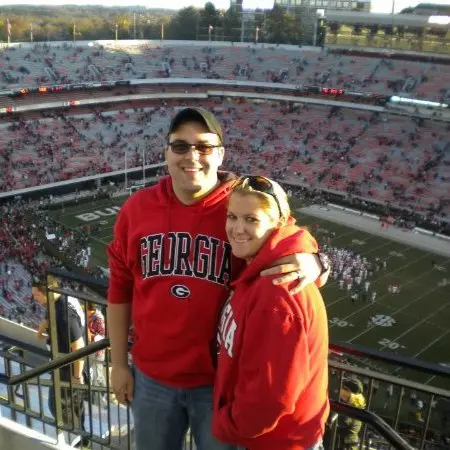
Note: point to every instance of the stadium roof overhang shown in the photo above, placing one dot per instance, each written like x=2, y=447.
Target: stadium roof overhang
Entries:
x=406, y=20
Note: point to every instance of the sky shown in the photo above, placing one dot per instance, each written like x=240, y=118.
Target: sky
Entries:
x=378, y=6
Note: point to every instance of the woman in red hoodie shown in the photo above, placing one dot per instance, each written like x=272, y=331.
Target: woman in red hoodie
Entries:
x=271, y=388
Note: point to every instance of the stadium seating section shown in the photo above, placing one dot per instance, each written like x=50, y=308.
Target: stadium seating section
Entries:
x=383, y=157
x=21, y=67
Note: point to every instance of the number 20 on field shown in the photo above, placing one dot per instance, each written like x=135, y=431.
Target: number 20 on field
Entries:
x=390, y=344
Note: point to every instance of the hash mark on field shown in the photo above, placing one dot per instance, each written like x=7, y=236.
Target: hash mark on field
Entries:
x=407, y=305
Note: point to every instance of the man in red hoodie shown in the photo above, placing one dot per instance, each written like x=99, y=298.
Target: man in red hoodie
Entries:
x=171, y=265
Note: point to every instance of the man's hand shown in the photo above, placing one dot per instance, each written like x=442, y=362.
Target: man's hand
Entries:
x=304, y=267
x=77, y=380
x=122, y=383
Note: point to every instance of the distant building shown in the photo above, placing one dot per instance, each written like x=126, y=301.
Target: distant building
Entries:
x=342, y=5
x=429, y=9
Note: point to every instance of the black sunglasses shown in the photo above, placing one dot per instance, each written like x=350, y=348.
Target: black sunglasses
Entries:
x=261, y=184
x=182, y=147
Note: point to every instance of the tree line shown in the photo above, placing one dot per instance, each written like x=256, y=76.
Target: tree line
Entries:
x=47, y=23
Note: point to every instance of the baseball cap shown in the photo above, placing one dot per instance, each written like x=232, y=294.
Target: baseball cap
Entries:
x=353, y=385
x=197, y=115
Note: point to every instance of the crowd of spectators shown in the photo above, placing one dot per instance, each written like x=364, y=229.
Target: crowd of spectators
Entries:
x=25, y=226
x=361, y=156
x=71, y=64
x=366, y=156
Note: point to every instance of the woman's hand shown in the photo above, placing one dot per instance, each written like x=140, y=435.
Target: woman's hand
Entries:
x=122, y=383
x=304, y=267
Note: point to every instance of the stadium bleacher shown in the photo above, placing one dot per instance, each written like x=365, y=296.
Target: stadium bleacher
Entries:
x=21, y=67
x=359, y=152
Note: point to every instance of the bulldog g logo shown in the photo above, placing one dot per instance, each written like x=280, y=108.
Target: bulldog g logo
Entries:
x=180, y=291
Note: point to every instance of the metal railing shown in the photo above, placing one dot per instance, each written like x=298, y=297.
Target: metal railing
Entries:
x=391, y=416
x=372, y=420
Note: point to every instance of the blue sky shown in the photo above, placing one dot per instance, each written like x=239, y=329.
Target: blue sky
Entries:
x=377, y=5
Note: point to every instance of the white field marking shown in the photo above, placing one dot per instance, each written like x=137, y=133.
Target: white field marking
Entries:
x=412, y=316
x=400, y=310
x=333, y=282
x=98, y=240
x=387, y=294
x=425, y=319
x=430, y=379
x=73, y=209
x=376, y=279
x=431, y=343
x=398, y=369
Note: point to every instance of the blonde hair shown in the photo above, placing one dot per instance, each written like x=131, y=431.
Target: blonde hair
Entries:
x=269, y=204
x=357, y=400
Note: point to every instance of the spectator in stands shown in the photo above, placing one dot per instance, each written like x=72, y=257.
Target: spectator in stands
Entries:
x=271, y=388
x=96, y=332
x=352, y=393
x=69, y=337
x=177, y=286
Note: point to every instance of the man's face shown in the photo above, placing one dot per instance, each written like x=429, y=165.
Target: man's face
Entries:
x=193, y=174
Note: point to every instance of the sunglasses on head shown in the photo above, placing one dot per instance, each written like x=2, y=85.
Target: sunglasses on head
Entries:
x=182, y=147
x=261, y=184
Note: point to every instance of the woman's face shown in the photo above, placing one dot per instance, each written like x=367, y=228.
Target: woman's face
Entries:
x=248, y=225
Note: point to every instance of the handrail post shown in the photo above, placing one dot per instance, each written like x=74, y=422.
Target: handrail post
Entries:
x=369, y=402
x=399, y=407
x=53, y=334
x=427, y=422
x=10, y=389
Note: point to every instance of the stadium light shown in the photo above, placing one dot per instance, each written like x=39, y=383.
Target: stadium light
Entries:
x=416, y=102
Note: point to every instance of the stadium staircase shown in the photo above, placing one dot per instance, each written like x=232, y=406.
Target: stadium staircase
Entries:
x=392, y=418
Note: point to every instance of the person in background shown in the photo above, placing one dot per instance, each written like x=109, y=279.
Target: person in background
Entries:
x=69, y=337
x=352, y=393
x=96, y=332
x=271, y=387
x=170, y=269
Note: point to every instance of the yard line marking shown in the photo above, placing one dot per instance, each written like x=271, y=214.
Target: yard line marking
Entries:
x=431, y=343
x=400, y=310
x=372, y=280
x=385, y=295
x=416, y=324
x=381, y=276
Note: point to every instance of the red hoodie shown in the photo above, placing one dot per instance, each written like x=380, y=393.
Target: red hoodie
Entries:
x=271, y=388
x=174, y=264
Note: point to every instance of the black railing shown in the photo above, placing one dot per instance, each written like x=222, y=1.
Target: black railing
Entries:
x=387, y=419
x=369, y=418
x=374, y=421
x=59, y=362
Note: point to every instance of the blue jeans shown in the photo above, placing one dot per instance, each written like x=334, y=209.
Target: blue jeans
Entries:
x=162, y=415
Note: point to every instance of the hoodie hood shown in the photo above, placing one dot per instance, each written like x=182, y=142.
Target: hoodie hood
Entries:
x=284, y=241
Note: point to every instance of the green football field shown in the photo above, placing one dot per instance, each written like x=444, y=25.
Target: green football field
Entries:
x=414, y=323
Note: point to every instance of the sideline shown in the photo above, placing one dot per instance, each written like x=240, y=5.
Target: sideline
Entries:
x=414, y=239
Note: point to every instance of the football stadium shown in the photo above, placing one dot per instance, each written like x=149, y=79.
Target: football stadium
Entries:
x=346, y=110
